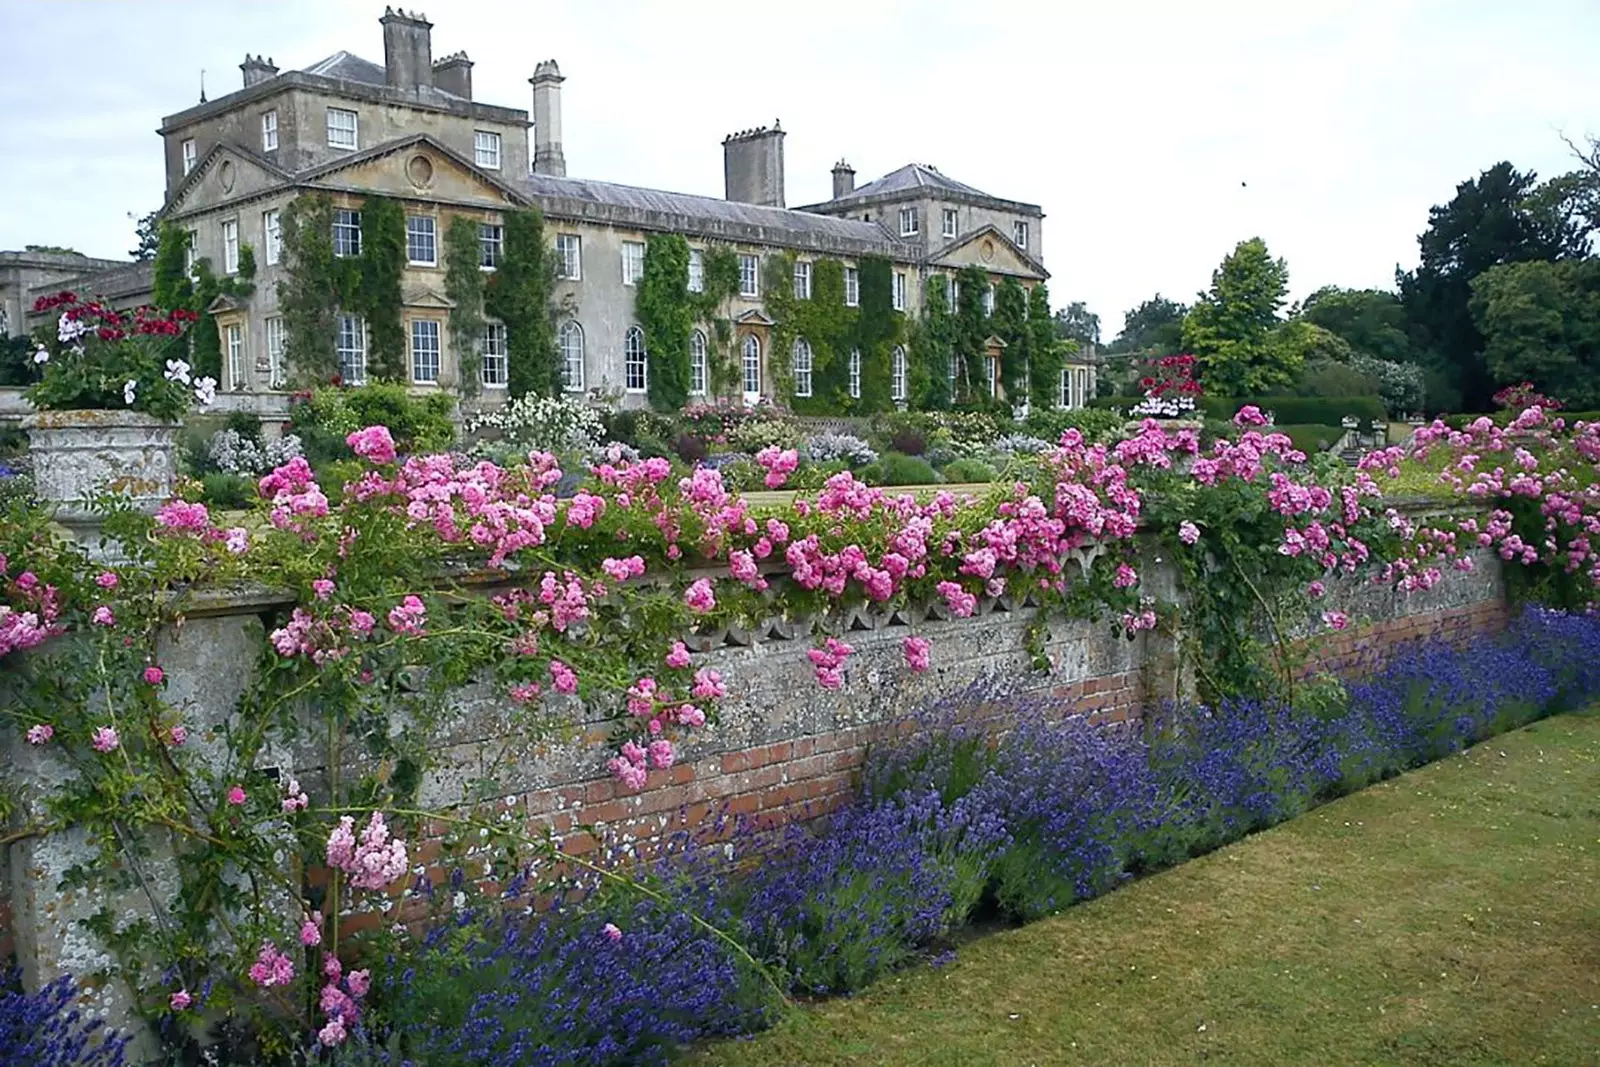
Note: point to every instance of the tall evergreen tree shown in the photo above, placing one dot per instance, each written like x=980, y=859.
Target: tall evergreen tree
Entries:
x=1229, y=329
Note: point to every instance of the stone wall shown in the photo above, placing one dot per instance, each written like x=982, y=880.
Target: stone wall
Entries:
x=784, y=748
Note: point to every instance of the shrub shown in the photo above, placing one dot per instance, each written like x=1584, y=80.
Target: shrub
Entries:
x=840, y=447
x=324, y=417
x=230, y=492
x=1095, y=424
x=232, y=452
x=689, y=448
x=47, y=1029
x=556, y=424
x=909, y=441
x=1018, y=444
x=969, y=470
x=896, y=469
x=771, y=431
x=1311, y=437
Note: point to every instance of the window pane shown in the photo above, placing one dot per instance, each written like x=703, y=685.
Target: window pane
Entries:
x=697, y=271
x=635, y=366
x=346, y=232
x=341, y=128
x=749, y=276
x=802, y=368
x=571, y=356
x=419, y=240
x=491, y=244
x=752, y=365
x=486, y=149
x=697, y=364
x=424, y=350
x=492, y=364
x=352, y=350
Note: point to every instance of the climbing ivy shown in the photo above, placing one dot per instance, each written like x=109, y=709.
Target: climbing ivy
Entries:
x=1010, y=324
x=971, y=330
x=195, y=289
x=313, y=286
x=519, y=296
x=827, y=325
x=382, y=259
x=932, y=341
x=667, y=315
x=463, y=284
x=878, y=327
x=1044, y=350
x=712, y=307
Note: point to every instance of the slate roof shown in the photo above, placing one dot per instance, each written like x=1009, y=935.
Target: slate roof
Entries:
x=688, y=208
x=346, y=66
x=915, y=176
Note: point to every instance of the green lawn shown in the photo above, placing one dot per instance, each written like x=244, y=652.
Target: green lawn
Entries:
x=1450, y=917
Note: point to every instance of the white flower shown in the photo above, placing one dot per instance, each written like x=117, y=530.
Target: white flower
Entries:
x=177, y=371
x=129, y=388
x=69, y=330
x=205, y=391
x=42, y=355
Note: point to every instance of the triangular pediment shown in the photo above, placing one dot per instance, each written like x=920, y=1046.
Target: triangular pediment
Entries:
x=225, y=302
x=990, y=250
x=425, y=296
x=225, y=174
x=415, y=167
x=755, y=317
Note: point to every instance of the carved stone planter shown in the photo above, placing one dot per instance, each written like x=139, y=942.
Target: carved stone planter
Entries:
x=80, y=455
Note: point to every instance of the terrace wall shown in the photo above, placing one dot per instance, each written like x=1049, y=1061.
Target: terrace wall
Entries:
x=784, y=748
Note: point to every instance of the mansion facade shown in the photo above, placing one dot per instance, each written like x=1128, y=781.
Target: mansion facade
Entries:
x=410, y=130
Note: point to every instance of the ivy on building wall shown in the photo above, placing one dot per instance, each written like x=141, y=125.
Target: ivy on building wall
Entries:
x=314, y=285
x=1044, y=350
x=826, y=325
x=519, y=296
x=463, y=284
x=878, y=327
x=665, y=312
x=176, y=285
x=971, y=330
x=711, y=306
x=1010, y=324
x=382, y=259
x=932, y=342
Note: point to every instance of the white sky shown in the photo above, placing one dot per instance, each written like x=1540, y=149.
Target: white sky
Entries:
x=1132, y=123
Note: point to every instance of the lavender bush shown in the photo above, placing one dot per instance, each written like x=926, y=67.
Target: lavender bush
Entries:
x=46, y=1029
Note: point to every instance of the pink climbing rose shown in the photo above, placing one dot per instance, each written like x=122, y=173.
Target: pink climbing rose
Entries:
x=373, y=444
x=154, y=675
x=916, y=650
x=1188, y=532
x=180, y=1000
x=236, y=795
x=699, y=596
x=41, y=733
x=105, y=739
x=271, y=968
x=611, y=932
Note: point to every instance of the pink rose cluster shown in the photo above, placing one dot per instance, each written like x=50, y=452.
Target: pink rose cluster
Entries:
x=779, y=463
x=373, y=860
x=373, y=444
x=828, y=662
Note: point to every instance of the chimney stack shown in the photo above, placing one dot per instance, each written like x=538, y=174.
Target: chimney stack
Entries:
x=752, y=166
x=257, y=70
x=453, y=74
x=547, y=156
x=407, y=50
x=844, y=179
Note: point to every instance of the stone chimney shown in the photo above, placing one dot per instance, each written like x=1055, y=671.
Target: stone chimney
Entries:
x=257, y=70
x=844, y=179
x=407, y=50
x=752, y=166
x=453, y=74
x=547, y=156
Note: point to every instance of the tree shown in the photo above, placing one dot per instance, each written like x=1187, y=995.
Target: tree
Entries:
x=1541, y=323
x=148, y=231
x=1497, y=218
x=1230, y=329
x=1370, y=321
x=1155, y=326
x=1076, y=322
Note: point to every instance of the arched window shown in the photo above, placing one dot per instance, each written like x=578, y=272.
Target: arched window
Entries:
x=697, y=364
x=571, y=338
x=752, y=365
x=855, y=373
x=635, y=369
x=897, y=372
x=802, y=367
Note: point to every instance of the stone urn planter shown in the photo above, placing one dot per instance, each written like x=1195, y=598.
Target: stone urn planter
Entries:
x=80, y=455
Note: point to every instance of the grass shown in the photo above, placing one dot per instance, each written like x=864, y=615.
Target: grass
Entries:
x=1447, y=918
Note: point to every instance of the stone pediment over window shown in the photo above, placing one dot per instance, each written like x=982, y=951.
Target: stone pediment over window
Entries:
x=225, y=303
x=416, y=167
x=991, y=250
x=223, y=175
x=754, y=317
x=425, y=296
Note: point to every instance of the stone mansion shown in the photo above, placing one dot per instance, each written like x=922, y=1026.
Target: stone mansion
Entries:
x=410, y=129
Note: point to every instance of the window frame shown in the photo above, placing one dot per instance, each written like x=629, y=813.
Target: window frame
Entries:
x=910, y=222
x=854, y=365
x=354, y=131
x=950, y=224
x=191, y=252
x=271, y=236
x=349, y=227
x=635, y=354
x=486, y=242
x=754, y=263
x=488, y=358
x=898, y=291
x=697, y=270
x=1019, y=234
x=432, y=238
x=897, y=375
x=437, y=353
x=569, y=267
x=988, y=300
x=632, y=250
x=852, y=287
x=230, y=246
x=699, y=363
x=802, y=279
x=800, y=347
x=750, y=346
x=571, y=383
x=269, y=130
x=191, y=155
x=277, y=369
x=478, y=149
x=357, y=368
x=234, y=348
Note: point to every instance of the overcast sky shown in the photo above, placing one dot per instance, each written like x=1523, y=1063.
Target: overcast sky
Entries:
x=1155, y=135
